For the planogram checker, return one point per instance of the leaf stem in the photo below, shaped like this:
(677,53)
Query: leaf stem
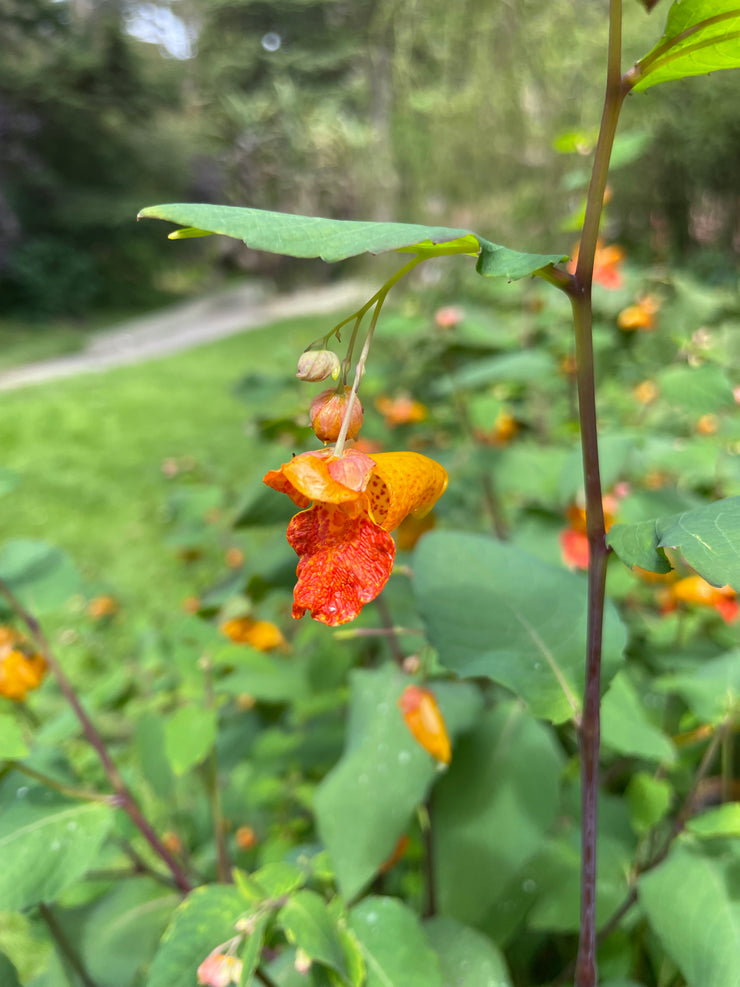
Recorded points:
(65,947)
(580,293)
(213,787)
(58,786)
(122,797)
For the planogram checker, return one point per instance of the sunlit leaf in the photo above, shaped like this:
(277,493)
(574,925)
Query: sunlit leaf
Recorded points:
(700,36)
(707,537)
(337,239)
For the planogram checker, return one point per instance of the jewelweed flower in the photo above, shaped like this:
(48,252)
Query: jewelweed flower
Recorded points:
(401,410)
(20,673)
(343,540)
(640,316)
(422,716)
(260,634)
(694,589)
(607,265)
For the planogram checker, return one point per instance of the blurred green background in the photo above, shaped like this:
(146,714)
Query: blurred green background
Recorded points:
(469,114)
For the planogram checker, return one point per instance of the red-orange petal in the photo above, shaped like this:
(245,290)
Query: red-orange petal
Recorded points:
(404,483)
(345,561)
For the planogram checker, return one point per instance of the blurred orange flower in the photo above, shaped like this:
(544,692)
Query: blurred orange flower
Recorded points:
(245,837)
(260,634)
(19,672)
(448,316)
(401,410)
(697,591)
(640,316)
(346,552)
(607,265)
(101,606)
(574,540)
(424,719)
(505,427)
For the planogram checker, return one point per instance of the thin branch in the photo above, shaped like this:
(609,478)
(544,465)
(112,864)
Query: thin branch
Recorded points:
(65,947)
(122,797)
(58,786)
(214,790)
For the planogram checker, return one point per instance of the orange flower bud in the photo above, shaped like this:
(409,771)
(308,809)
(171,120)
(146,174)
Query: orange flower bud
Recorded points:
(315,365)
(646,392)
(219,970)
(172,842)
(707,425)
(260,634)
(19,673)
(245,837)
(327,414)
(234,557)
(424,719)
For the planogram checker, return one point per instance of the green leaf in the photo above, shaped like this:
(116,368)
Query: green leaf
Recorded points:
(121,933)
(205,920)
(307,923)
(649,799)
(691,902)
(337,239)
(491,609)
(504,780)
(392,940)
(721,821)
(46,844)
(708,538)
(8,973)
(41,576)
(467,958)
(23,944)
(365,803)
(12,744)
(9,480)
(711,691)
(701,36)
(521,367)
(625,727)
(190,734)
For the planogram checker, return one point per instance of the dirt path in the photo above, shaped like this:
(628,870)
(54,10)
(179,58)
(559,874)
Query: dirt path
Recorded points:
(185,325)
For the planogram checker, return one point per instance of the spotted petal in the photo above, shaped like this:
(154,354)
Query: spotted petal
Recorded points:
(404,483)
(345,561)
(321,477)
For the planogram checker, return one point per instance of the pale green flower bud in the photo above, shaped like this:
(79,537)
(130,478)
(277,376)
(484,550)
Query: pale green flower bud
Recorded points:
(317,365)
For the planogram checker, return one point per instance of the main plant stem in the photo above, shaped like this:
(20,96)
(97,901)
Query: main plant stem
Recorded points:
(580,292)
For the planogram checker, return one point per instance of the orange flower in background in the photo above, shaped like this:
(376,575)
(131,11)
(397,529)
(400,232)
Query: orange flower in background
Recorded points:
(20,673)
(422,716)
(245,838)
(401,410)
(607,265)
(574,539)
(448,317)
(505,427)
(101,606)
(345,550)
(640,316)
(260,634)
(696,590)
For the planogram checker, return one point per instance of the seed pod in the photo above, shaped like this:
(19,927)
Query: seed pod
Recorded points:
(315,365)
(327,414)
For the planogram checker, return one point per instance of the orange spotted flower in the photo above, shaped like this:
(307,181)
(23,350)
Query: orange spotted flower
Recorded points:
(696,590)
(345,550)
(19,672)
(424,719)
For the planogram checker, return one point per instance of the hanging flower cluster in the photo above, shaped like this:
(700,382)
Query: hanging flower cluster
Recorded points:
(343,539)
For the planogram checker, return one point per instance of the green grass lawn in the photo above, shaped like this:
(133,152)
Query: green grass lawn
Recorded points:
(90,450)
